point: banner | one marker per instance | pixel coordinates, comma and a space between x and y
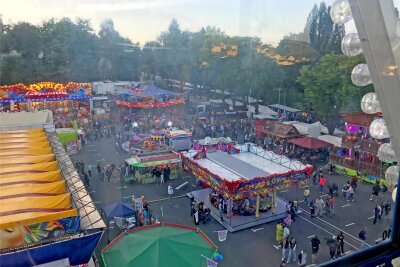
27, 234
222, 235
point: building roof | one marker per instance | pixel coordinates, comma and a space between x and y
147, 91
277, 129
284, 108
358, 118
310, 143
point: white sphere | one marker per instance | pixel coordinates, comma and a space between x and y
394, 194
378, 129
392, 175
351, 44
370, 104
360, 75
386, 153
340, 12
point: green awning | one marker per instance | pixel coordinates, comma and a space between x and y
158, 246
136, 163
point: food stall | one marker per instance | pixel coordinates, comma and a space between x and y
143, 166
177, 139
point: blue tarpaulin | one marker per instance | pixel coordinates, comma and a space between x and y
119, 209
149, 90
77, 250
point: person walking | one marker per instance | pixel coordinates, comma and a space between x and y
363, 237
98, 169
170, 193
332, 205
192, 206
319, 205
381, 208
302, 259
285, 248
292, 250
350, 193
377, 212
340, 239
322, 183
333, 245
162, 178
375, 192
387, 208
221, 210
286, 233
312, 208
344, 190
89, 170
279, 233
353, 183
314, 178
314, 248
306, 194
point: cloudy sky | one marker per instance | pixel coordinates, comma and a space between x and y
143, 20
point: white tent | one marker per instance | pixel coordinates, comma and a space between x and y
325, 130
306, 128
334, 140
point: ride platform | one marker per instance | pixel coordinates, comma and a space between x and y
239, 222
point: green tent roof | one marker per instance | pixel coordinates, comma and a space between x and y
159, 246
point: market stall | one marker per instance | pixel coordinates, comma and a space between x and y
177, 139
147, 167
311, 149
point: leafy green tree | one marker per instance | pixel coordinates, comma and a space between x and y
328, 88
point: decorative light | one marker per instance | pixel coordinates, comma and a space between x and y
392, 175
378, 129
351, 45
340, 12
386, 153
169, 123
370, 103
360, 75
135, 124
394, 194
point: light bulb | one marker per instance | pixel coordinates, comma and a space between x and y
169, 124
392, 175
340, 12
370, 104
360, 75
378, 129
351, 45
386, 153
394, 194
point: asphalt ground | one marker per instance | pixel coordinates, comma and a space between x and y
250, 247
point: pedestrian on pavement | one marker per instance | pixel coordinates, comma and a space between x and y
108, 174
302, 259
221, 210
292, 250
292, 212
319, 206
314, 248
375, 192
340, 239
314, 178
86, 179
170, 193
306, 194
286, 233
344, 190
388, 207
82, 166
89, 170
283, 264
98, 167
363, 237
312, 208
279, 233
353, 183
192, 205
381, 210
162, 178
322, 183
332, 204
350, 193
377, 212
285, 248
333, 245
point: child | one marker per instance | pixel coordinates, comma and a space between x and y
306, 195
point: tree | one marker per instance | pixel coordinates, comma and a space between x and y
328, 88
324, 36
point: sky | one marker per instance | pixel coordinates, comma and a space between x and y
144, 20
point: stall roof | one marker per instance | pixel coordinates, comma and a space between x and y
358, 118
263, 110
310, 143
31, 190
149, 90
18, 118
334, 140
285, 108
119, 209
